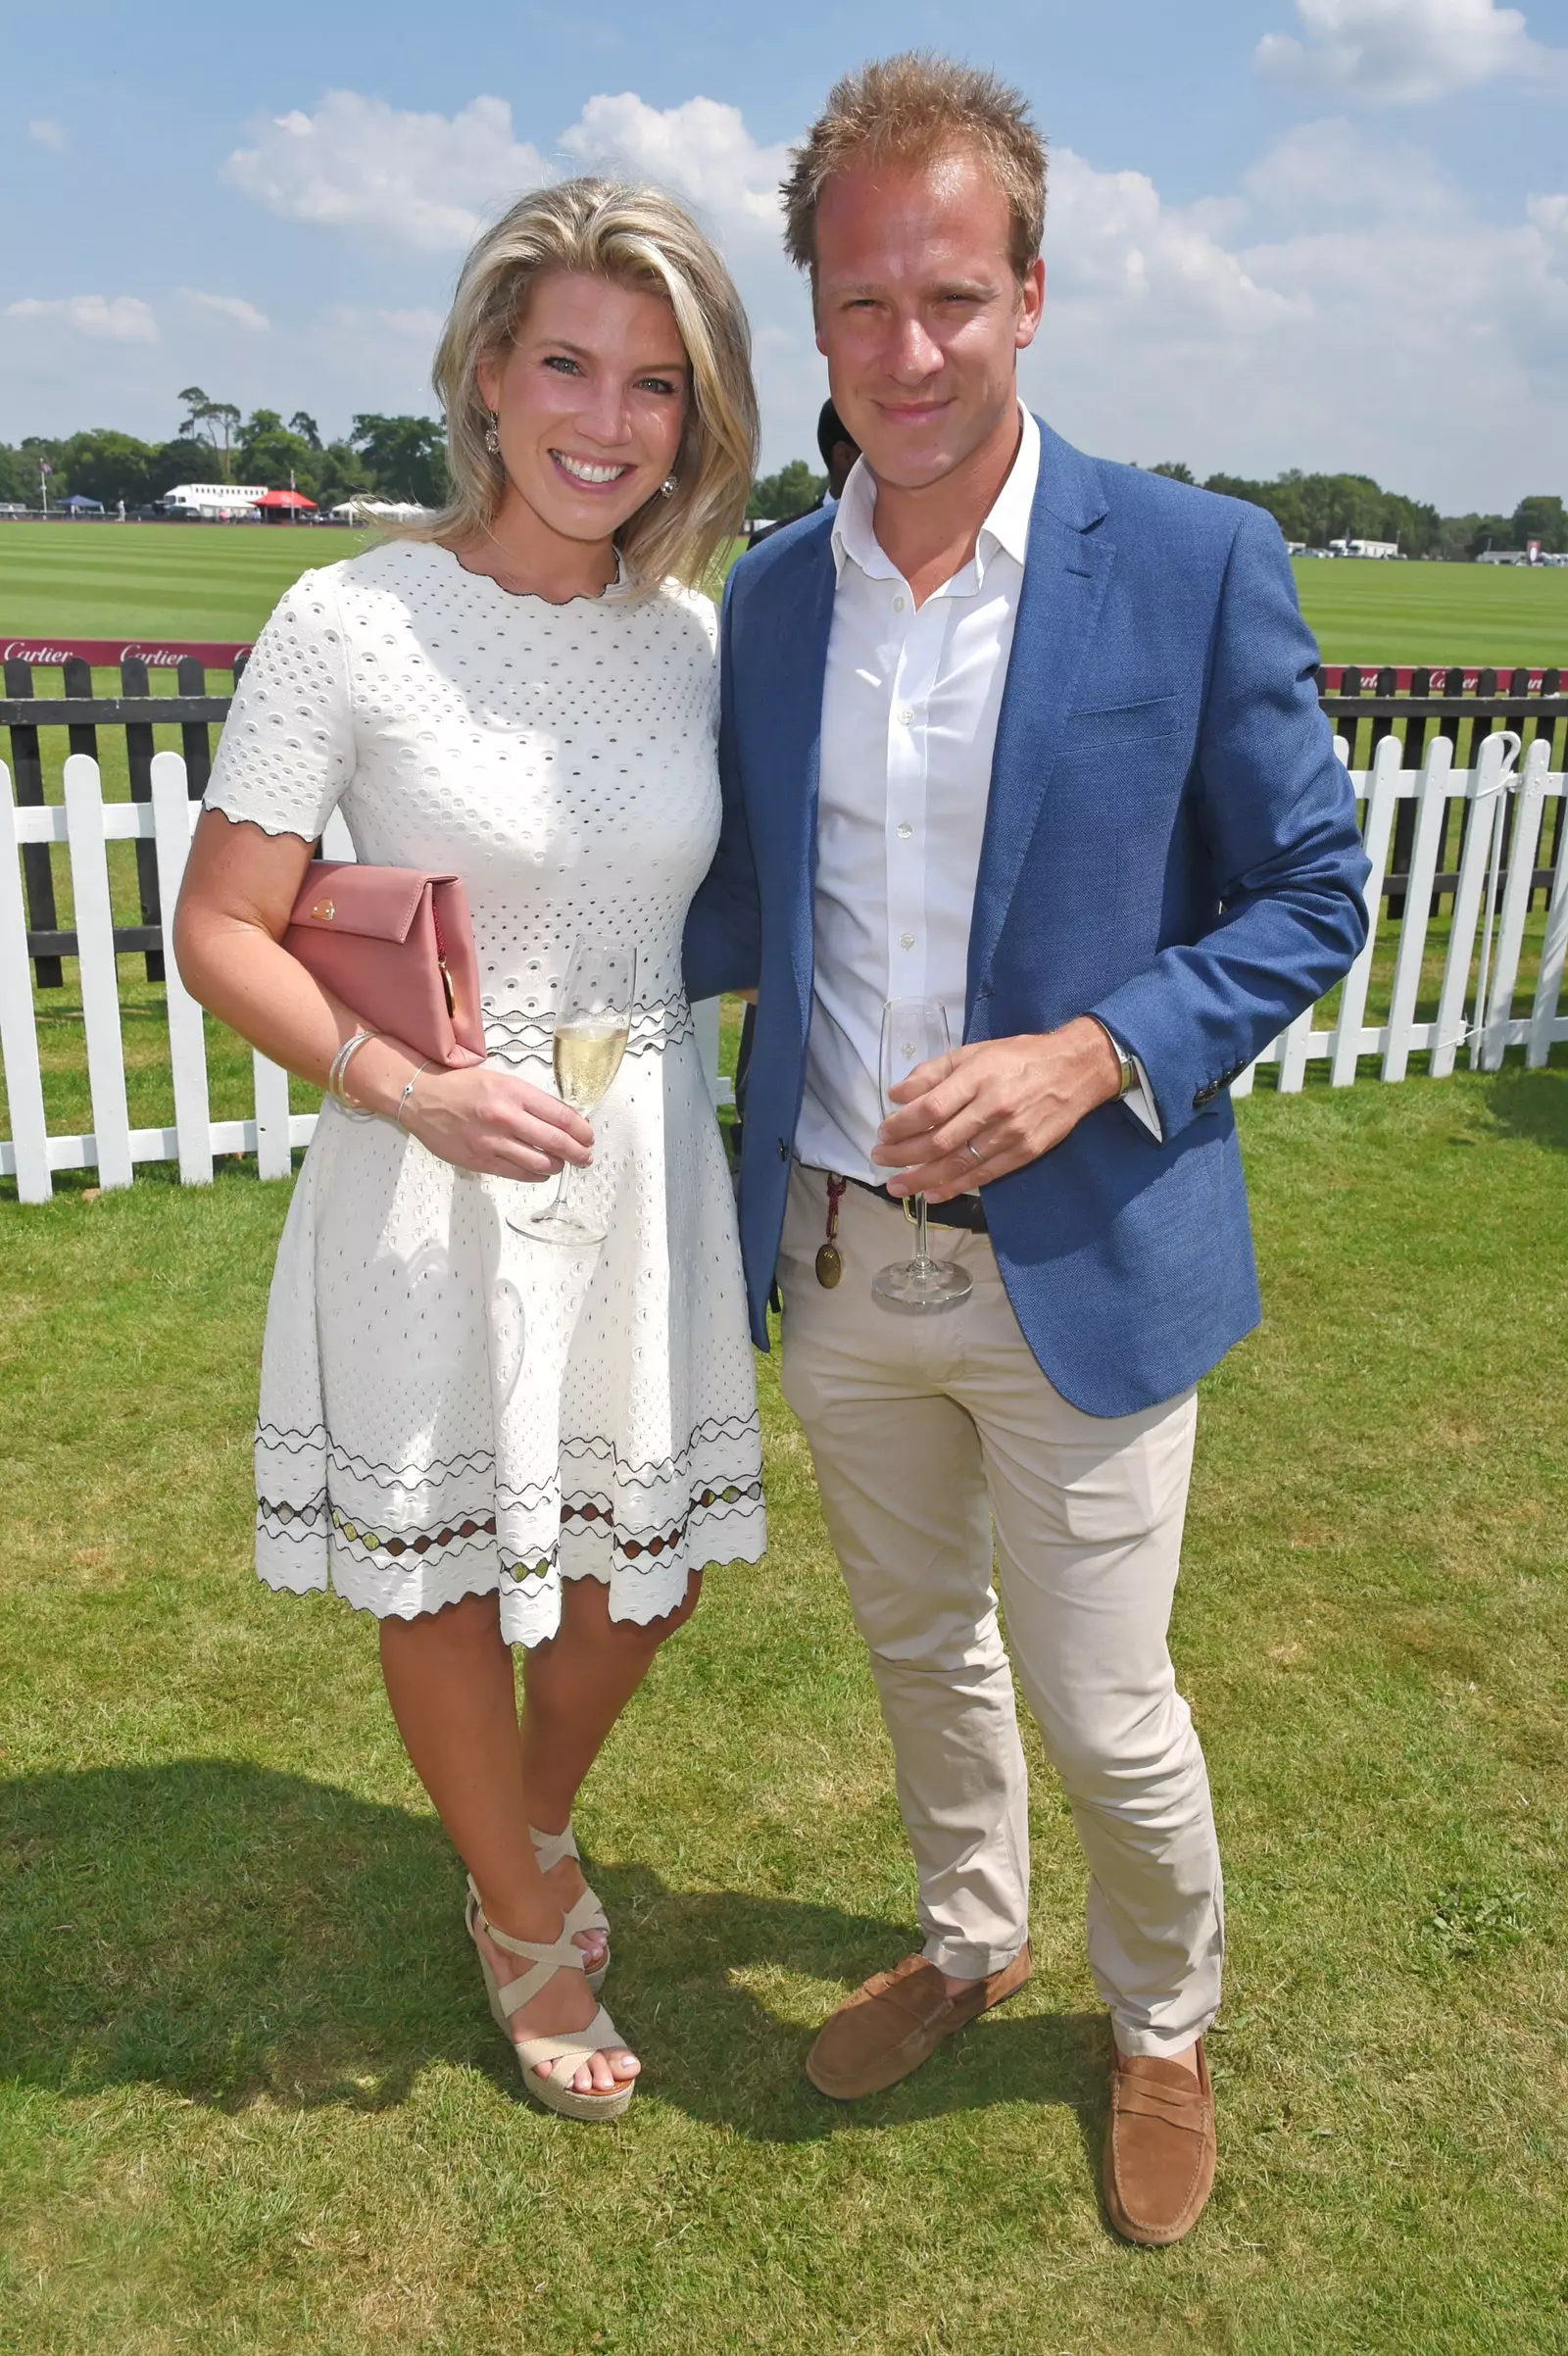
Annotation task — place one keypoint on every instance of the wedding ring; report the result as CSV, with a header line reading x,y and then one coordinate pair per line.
x,y
972,1148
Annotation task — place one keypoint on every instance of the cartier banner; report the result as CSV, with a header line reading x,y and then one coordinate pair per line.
x,y
160,654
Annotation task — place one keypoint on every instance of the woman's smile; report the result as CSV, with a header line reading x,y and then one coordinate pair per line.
x,y
588,474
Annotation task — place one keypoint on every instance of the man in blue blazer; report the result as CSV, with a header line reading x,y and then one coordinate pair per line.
x,y
1034,739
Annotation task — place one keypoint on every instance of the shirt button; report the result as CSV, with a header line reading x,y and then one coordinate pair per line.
x,y
904,833
905,715
897,605
906,940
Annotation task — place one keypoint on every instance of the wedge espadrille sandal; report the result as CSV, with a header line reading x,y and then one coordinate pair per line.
x,y
546,1958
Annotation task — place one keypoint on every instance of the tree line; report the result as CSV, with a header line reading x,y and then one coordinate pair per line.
x,y
405,458
1313,508
1316,508
390,458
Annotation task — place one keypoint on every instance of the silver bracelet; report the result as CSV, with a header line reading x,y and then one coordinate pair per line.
x,y
408,1089
337,1076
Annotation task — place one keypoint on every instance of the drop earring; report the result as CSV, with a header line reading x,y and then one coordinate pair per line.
x,y
492,435
666,489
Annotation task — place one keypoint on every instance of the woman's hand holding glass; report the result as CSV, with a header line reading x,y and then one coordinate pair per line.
x,y
592,1025
491,1122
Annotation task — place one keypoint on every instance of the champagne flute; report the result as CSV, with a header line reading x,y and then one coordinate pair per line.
x,y
592,1020
914,1031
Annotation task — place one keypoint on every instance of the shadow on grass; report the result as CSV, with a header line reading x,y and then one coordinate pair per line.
x,y
231,1933
1532,1105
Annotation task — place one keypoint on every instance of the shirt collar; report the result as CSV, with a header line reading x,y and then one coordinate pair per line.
x,y
1006,526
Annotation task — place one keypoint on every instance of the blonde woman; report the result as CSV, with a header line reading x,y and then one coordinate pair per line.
x,y
483,1439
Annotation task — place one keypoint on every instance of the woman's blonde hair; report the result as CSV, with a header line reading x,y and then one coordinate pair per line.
x,y
630,236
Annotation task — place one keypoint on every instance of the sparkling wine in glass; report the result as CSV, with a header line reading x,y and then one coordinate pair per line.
x,y
592,1020
914,1031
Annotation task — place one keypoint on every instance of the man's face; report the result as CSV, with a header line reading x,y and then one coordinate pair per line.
x,y
919,314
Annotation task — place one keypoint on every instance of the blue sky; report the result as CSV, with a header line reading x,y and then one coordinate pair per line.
x,y
1314,233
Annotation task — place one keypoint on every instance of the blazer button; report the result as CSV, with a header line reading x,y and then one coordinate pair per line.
x,y
783,1149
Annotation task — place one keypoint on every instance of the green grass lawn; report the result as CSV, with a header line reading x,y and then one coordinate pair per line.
x,y
92,580
250,2094
1429,614
151,581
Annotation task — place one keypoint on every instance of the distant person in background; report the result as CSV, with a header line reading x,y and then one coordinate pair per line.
x,y
484,1439
839,449
838,452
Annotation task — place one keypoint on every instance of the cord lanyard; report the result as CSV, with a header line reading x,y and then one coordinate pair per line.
x,y
829,1259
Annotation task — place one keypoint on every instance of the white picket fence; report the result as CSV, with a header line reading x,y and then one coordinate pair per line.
x,y
1486,942
86,824
1475,1009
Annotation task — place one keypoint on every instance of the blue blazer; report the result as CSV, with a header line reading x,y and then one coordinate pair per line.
x,y
1169,844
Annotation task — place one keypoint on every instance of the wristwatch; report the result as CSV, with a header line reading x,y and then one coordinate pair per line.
x,y
1129,1069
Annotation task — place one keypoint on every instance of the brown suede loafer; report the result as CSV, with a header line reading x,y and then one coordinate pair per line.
x,y
895,2022
1159,2146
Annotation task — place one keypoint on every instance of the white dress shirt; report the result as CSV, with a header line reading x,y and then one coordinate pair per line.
x,y
909,708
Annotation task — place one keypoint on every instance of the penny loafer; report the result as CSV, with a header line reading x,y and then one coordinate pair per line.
x,y
1160,2148
897,2021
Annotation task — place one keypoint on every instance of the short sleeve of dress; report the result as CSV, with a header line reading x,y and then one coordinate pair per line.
x,y
287,750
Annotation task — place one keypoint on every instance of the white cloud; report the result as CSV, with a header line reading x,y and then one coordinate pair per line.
x,y
427,182
46,132
430,182
1115,250
1358,313
1332,169
1405,52
120,318
1345,303
229,307
703,151
418,327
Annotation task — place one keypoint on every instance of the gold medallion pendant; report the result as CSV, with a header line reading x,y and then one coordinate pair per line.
x,y
829,1262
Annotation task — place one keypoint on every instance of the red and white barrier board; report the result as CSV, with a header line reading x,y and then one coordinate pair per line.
x,y
159,654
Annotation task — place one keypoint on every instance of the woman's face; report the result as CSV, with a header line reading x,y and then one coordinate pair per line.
x,y
589,401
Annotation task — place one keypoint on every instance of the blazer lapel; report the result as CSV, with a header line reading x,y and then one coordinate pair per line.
x,y
798,622
1065,571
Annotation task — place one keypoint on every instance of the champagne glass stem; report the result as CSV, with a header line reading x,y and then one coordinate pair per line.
x,y
922,1246
562,1190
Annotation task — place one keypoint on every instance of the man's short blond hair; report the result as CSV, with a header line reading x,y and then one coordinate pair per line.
x,y
913,109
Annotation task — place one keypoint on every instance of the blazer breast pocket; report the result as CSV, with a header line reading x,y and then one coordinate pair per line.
x,y
1118,724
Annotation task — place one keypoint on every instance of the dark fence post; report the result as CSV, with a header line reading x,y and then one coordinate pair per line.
x,y
1387,684
26,764
133,681
1552,685
1453,727
1351,685
81,736
1486,692
190,679
1419,736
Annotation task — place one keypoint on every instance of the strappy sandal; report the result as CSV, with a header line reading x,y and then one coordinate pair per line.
x,y
547,1957
587,1914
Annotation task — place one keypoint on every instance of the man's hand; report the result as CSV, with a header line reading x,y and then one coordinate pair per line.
x,y
1011,1099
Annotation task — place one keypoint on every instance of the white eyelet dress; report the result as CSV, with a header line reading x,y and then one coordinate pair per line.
x,y
447,1406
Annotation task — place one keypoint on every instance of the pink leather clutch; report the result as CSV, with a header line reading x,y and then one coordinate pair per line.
x,y
397,946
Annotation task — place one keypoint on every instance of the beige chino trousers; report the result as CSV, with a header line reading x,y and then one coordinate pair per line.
x,y
928,1434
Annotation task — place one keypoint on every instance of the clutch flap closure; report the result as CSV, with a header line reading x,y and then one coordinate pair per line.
x,y
379,904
